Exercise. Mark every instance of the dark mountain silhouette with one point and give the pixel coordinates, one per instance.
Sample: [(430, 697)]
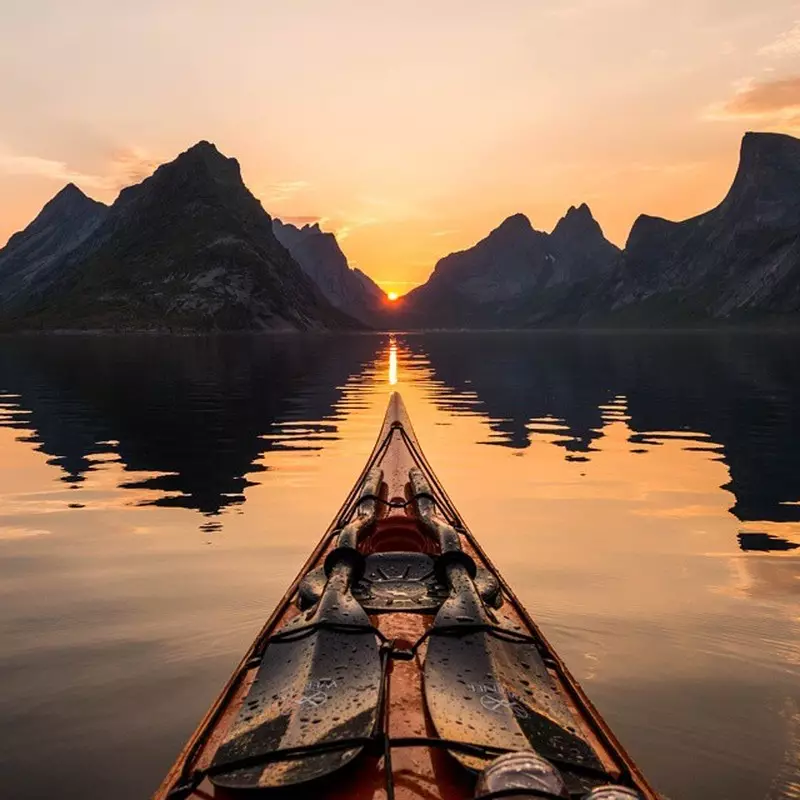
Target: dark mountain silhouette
[(580, 250), (321, 258), (737, 262), (186, 416), (31, 256), (189, 248), (505, 278)]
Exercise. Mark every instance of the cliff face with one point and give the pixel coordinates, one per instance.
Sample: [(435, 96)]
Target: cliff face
[(32, 256), (189, 248), (321, 258), (739, 261)]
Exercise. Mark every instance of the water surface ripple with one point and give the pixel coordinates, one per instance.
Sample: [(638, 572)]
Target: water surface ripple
[(641, 493)]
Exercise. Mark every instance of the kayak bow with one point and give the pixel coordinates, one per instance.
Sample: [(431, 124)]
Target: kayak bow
[(399, 664)]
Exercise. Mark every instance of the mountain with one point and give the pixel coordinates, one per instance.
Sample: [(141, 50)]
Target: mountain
[(321, 258), (580, 250), (189, 248), (30, 256), (514, 271), (739, 262)]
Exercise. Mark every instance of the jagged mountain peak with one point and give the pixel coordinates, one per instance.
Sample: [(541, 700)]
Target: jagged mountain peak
[(200, 174), (516, 223), (66, 207), (578, 221), (68, 199), (769, 165), (205, 155), (582, 210), (32, 255), (69, 191), (757, 147), (204, 152), (319, 255), (204, 146), (646, 226)]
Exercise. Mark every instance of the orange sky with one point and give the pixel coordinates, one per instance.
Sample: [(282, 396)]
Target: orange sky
[(409, 129)]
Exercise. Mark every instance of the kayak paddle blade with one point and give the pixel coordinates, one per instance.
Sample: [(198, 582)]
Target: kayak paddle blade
[(321, 687), (486, 690)]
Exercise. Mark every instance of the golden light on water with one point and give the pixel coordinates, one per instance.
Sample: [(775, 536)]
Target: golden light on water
[(392, 362)]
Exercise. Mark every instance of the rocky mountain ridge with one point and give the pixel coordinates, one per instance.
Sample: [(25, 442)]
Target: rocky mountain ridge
[(515, 266), (189, 248), (29, 256), (321, 258), (738, 263)]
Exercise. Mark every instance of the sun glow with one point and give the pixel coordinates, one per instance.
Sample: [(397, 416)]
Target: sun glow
[(392, 296)]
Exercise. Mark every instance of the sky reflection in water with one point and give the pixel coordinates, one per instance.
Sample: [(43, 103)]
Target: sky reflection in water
[(640, 492)]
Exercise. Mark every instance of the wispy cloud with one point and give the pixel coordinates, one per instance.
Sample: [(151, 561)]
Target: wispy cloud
[(16, 164), (282, 190), (129, 164), (125, 165), (445, 232), (346, 227), (774, 102), (787, 44)]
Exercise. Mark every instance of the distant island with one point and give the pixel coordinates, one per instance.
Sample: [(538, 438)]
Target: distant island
[(191, 249)]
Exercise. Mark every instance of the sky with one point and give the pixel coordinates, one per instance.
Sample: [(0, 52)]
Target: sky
[(410, 129)]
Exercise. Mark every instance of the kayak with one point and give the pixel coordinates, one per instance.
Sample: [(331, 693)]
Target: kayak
[(399, 664)]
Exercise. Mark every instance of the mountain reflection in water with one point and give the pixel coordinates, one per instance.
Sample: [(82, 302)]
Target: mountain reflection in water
[(195, 412), (640, 492)]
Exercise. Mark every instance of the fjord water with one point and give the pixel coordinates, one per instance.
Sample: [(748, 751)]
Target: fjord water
[(641, 493)]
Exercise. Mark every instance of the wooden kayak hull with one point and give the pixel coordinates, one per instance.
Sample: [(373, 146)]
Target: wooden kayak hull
[(419, 771)]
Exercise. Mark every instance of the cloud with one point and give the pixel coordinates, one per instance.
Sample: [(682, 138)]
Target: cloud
[(774, 102), (346, 227), (16, 164), (282, 190), (124, 166), (445, 232), (787, 44), (128, 165)]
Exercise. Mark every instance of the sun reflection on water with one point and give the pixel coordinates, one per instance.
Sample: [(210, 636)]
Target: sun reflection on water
[(392, 361)]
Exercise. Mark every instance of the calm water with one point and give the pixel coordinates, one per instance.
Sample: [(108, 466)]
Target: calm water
[(642, 494)]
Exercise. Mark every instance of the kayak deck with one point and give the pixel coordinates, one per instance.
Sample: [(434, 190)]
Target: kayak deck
[(397, 665)]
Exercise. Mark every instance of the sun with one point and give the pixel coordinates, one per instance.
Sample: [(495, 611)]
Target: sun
[(392, 296)]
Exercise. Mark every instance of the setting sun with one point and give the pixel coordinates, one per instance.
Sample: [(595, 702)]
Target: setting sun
[(392, 296)]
